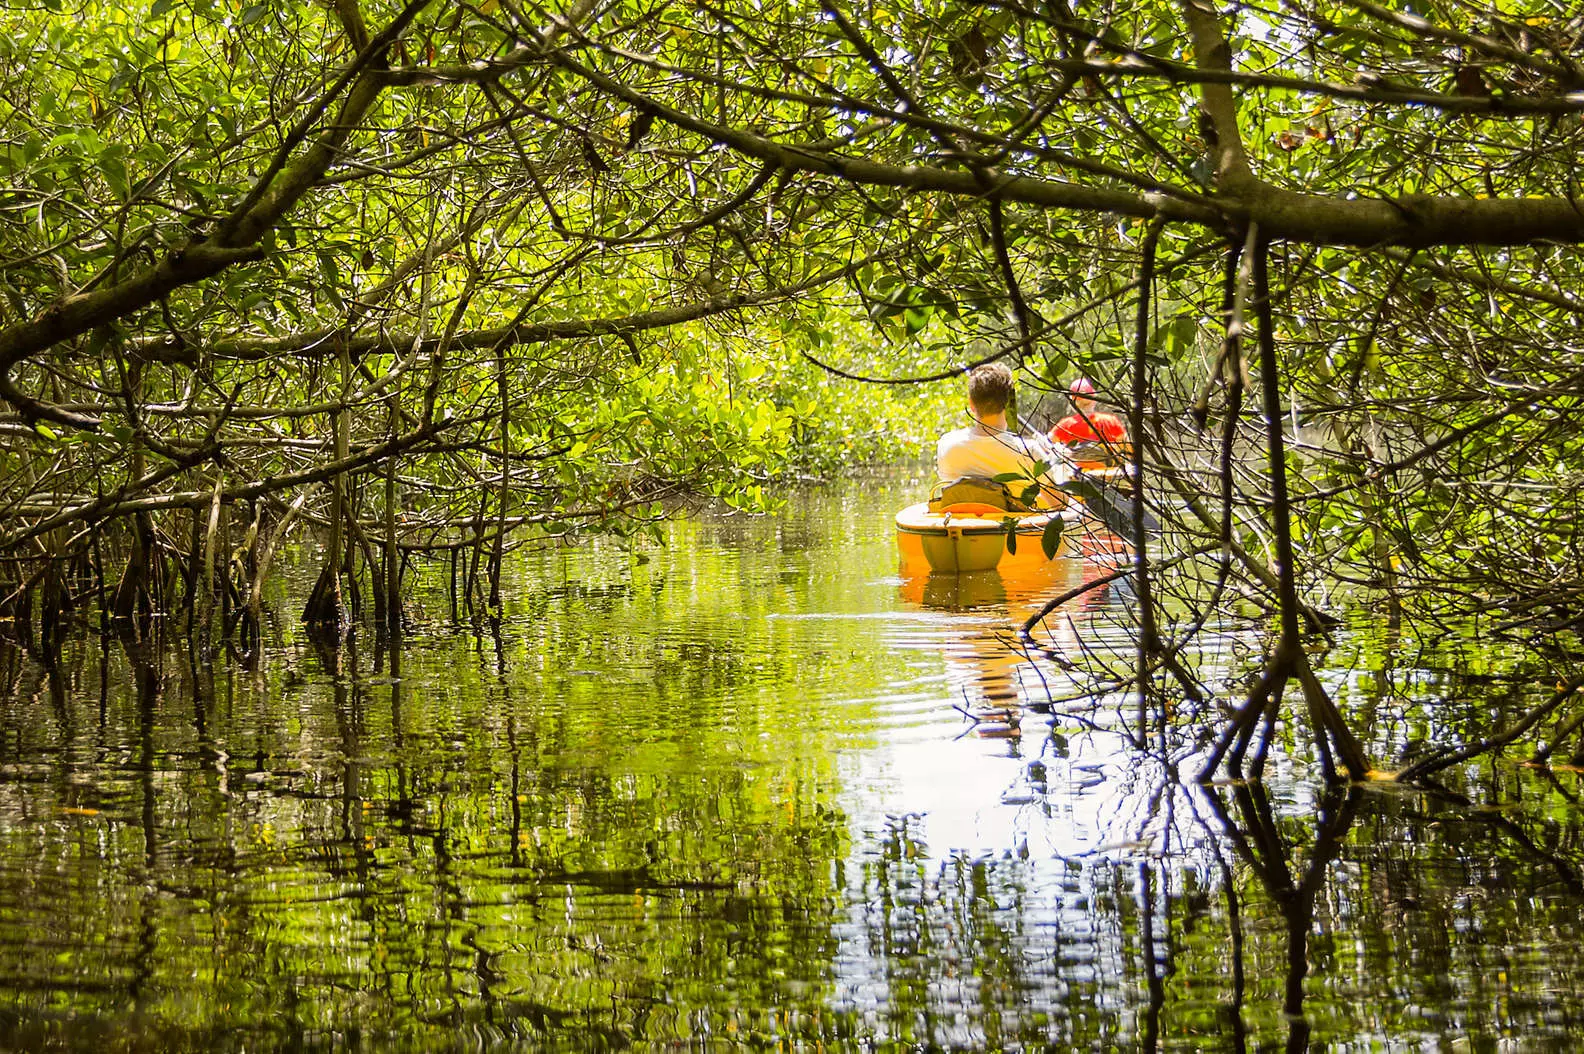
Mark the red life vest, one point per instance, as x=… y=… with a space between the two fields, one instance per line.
x=1097 y=427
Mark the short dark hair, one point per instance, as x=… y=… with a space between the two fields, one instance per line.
x=990 y=387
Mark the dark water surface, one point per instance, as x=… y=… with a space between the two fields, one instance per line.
x=734 y=797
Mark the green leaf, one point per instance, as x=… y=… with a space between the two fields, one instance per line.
x=1007 y=477
x=115 y=175
x=1010 y=526
x=1050 y=538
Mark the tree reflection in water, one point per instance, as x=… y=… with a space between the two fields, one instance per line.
x=1291 y=875
x=720 y=800
x=1223 y=908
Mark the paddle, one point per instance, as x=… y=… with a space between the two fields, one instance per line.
x=1110 y=506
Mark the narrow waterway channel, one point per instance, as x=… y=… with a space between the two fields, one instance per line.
x=750 y=788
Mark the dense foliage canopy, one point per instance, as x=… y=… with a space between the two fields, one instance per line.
x=429 y=274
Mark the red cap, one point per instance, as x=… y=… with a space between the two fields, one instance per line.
x=1081 y=387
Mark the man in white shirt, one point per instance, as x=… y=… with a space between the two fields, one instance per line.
x=986 y=448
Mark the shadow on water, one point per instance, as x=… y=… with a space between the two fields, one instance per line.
x=756 y=792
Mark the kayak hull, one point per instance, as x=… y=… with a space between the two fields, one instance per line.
x=951 y=542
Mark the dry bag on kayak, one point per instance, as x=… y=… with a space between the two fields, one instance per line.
x=975 y=490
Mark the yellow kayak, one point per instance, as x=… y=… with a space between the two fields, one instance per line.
x=972 y=536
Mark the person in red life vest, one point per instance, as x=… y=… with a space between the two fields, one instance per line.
x=1096 y=438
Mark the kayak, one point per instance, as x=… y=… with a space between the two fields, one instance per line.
x=972 y=536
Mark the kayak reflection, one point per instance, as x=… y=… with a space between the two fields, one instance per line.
x=989 y=675
x=1019 y=589
x=993 y=677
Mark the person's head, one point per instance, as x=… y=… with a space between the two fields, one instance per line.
x=1081 y=392
x=989 y=389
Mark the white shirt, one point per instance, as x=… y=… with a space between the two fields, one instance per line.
x=973 y=452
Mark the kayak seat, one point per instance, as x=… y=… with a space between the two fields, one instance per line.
x=974 y=490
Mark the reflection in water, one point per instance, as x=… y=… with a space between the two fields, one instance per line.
x=983 y=665
x=963 y=592
x=997 y=679
x=724 y=798
x=1257 y=841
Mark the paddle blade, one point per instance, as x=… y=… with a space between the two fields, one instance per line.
x=1109 y=507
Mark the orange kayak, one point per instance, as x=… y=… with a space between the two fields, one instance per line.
x=970 y=536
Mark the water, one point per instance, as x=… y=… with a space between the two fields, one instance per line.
x=755 y=792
